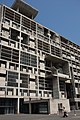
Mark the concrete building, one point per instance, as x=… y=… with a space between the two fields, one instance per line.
x=39 y=69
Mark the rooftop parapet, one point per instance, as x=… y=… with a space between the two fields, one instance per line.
x=24 y=8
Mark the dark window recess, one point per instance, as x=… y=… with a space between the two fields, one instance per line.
x=25 y=58
x=14 y=35
x=9 y=54
x=10 y=14
x=40 y=45
x=25 y=39
x=26 y=22
x=6 y=53
x=15 y=56
x=12 y=77
x=46 y=47
x=28 y=59
x=24 y=79
x=48 y=84
x=33 y=26
x=43 y=46
x=55 y=51
x=62 y=85
x=33 y=61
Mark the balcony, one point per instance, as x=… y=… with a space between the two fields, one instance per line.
x=75 y=73
x=16 y=26
x=74 y=66
x=32 y=37
x=6 y=25
x=42 y=66
x=77 y=99
x=5 y=34
x=32 y=76
x=32 y=44
x=42 y=57
x=2 y=93
x=72 y=58
x=32 y=95
x=32 y=85
x=42 y=74
x=25 y=94
x=76 y=91
x=2 y=83
x=78 y=74
x=2 y=71
x=62 y=95
x=63 y=75
x=64 y=55
x=10 y=93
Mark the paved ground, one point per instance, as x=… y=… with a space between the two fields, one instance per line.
x=40 y=117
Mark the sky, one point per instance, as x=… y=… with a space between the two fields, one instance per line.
x=61 y=16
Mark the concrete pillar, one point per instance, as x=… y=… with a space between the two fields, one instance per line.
x=7 y=65
x=49 y=107
x=18 y=105
x=56 y=87
x=77 y=105
x=29 y=105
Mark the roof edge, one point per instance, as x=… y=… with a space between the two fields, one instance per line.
x=24 y=8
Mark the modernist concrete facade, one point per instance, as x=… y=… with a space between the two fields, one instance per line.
x=39 y=69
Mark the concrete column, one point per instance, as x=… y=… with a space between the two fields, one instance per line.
x=29 y=105
x=77 y=105
x=7 y=65
x=18 y=105
x=49 y=107
x=56 y=87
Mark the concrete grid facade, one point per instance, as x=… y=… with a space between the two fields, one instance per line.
x=39 y=69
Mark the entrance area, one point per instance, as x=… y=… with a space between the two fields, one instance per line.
x=8 y=106
x=39 y=108
x=34 y=107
